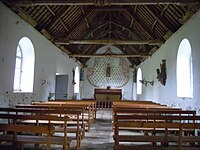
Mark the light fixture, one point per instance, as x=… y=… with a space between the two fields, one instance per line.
x=146 y=82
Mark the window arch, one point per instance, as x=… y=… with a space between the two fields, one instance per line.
x=77 y=80
x=184 y=70
x=24 y=66
x=139 y=84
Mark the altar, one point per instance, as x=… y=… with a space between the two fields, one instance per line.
x=105 y=97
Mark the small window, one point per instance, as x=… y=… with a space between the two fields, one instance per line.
x=184 y=70
x=139 y=84
x=24 y=66
x=77 y=80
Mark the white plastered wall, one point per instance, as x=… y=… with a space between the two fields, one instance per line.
x=48 y=60
x=167 y=94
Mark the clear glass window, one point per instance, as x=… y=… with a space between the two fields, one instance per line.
x=184 y=70
x=24 y=66
x=139 y=84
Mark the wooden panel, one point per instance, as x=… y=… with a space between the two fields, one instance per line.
x=105 y=97
x=107 y=94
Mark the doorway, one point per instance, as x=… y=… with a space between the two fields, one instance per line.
x=61 y=90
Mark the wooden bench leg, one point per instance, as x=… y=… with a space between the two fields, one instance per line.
x=22 y=146
x=68 y=146
x=14 y=145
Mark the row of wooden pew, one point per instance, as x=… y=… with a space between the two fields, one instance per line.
x=47 y=123
x=144 y=125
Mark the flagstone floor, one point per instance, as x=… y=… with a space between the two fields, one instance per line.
x=100 y=137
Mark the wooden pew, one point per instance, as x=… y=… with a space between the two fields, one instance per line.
x=56 y=106
x=21 y=139
x=38 y=127
x=91 y=104
x=168 y=123
x=135 y=115
x=87 y=106
x=74 y=125
x=138 y=104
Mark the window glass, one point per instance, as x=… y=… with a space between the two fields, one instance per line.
x=184 y=70
x=139 y=84
x=24 y=66
x=77 y=80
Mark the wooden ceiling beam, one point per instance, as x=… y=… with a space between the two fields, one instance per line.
x=120 y=36
x=127 y=50
x=133 y=50
x=25 y=16
x=87 y=13
x=94 y=26
x=161 y=18
x=90 y=51
x=138 y=48
x=124 y=24
x=142 y=24
x=107 y=55
x=99 y=33
x=56 y=17
x=111 y=42
x=97 y=2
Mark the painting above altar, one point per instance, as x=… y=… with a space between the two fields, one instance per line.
x=113 y=72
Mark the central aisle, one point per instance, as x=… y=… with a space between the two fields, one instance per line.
x=100 y=137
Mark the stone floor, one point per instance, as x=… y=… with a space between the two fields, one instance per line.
x=100 y=136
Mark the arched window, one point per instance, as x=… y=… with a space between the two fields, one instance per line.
x=184 y=72
x=24 y=66
x=139 y=84
x=77 y=80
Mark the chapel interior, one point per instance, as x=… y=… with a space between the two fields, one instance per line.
x=100 y=74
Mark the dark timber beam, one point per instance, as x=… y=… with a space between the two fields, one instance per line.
x=79 y=20
x=97 y=2
x=137 y=18
x=107 y=55
x=55 y=17
x=112 y=42
x=162 y=19
x=127 y=50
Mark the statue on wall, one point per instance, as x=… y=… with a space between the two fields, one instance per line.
x=108 y=71
x=162 y=72
x=82 y=74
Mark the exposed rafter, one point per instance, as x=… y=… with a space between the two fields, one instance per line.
x=111 y=42
x=57 y=17
x=79 y=20
x=81 y=27
x=99 y=2
x=142 y=24
x=161 y=18
x=25 y=16
x=108 y=55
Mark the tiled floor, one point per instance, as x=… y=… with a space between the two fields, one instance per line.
x=100 y=136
